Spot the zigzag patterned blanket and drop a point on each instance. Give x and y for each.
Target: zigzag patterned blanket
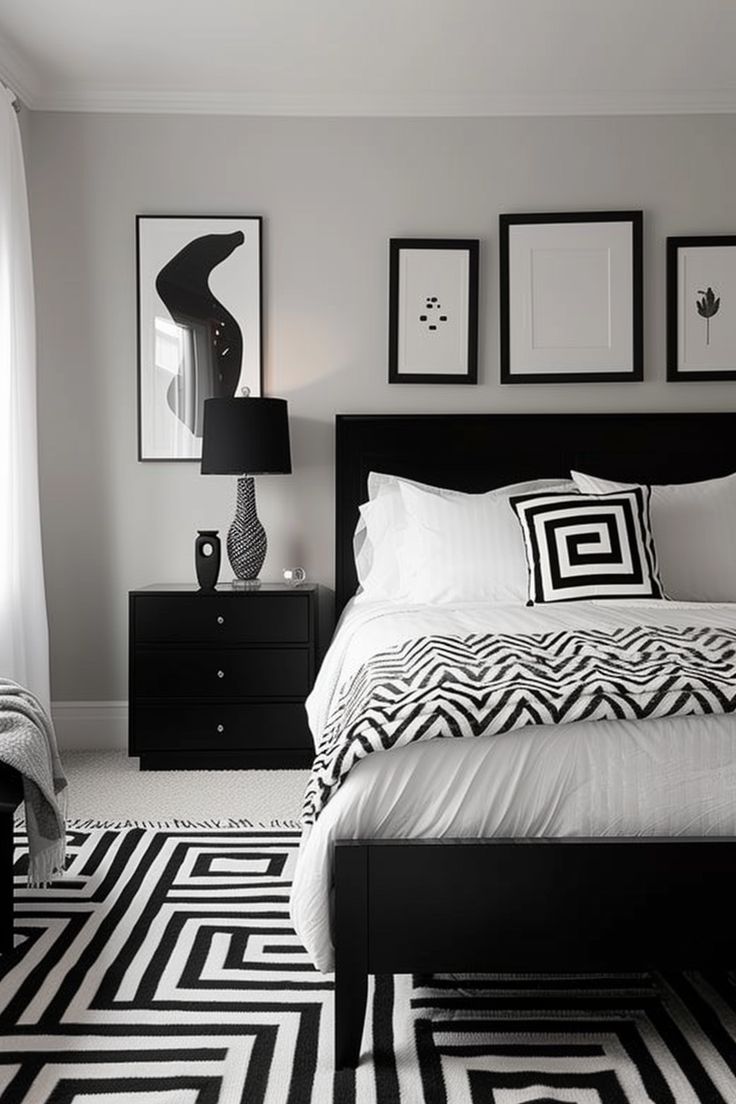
(485, 684)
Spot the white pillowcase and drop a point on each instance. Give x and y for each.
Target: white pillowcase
(381, 522)
(694, 528)
(374, 547)
(380, 527)
(421, 544)
(379, 483)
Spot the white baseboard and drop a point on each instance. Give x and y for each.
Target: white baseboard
(91, 725)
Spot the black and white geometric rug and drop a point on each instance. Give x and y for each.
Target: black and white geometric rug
(163, 970)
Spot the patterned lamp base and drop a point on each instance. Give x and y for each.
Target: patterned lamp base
(246, 538)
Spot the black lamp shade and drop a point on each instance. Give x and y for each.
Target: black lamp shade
(245, 436)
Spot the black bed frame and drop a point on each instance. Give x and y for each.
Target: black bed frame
(536, 904)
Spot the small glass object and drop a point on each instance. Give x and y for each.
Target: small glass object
(293, 576)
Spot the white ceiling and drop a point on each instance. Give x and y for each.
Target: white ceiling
(387, 57)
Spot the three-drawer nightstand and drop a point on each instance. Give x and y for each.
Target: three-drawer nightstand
(219, 679)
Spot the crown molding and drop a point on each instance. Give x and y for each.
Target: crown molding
(429, 104)
(17, 73)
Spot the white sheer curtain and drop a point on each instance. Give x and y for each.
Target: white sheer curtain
(24, 646)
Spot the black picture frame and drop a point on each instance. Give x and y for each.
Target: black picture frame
(469, 374)
(634, 373)
(676, 374)
(140, 221)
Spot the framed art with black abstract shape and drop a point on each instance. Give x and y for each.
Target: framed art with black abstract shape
(433, 310)
(571, 297)
(199, 324)
(701, 308)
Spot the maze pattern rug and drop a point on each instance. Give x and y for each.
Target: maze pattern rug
(163, 970)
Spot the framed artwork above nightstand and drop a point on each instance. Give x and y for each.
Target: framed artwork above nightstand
(219, 679)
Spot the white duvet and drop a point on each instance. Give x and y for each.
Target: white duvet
(669, 776)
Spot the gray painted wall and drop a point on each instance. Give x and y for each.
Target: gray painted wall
(333, 191)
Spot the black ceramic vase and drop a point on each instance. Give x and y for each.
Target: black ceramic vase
(207, 558)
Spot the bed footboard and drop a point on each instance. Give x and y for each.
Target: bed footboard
(527, 905)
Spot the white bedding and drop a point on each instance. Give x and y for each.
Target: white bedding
(667, 776)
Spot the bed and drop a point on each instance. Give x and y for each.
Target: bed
(404, 876)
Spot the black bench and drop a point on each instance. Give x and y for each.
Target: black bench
(11, 795)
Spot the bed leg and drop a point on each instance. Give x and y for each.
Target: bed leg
(350, 1000)
(351, 951)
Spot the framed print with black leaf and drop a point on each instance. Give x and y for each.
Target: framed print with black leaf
(199, 324)
(571, 297)
(433, 310)
(701, 308)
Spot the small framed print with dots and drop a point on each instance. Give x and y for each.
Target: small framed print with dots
(433, 310)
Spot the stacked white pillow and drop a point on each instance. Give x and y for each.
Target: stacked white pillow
(694, 528)
(418, 544)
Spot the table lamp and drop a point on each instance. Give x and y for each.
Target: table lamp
(246, 436)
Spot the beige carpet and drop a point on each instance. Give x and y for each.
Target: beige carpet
(109, 786)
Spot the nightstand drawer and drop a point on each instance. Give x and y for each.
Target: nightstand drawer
(222, 727)
(223, 618)
(221, 673)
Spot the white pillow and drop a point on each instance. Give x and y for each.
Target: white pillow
(694, 527)
(379, 528)
(385, 525)
(375, 558)
(379, 483)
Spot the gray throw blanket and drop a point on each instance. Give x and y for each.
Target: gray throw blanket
(28, 745)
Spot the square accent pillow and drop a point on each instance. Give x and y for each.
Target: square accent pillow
(588, 546)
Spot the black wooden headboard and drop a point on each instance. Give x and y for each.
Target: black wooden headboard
(476, 452)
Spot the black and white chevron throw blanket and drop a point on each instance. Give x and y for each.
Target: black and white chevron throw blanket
(485, 684)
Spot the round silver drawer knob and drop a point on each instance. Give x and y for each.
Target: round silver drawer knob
(220, 620)
(220, 728)
(220, 674)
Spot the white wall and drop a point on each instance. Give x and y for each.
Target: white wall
(333, 191)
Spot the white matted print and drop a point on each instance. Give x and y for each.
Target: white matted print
(433, 317)
(571, 297)
(701, 308)
(199, 325)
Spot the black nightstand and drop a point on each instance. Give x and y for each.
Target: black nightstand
(219, 679)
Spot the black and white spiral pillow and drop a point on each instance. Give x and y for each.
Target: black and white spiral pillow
(588, 546)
